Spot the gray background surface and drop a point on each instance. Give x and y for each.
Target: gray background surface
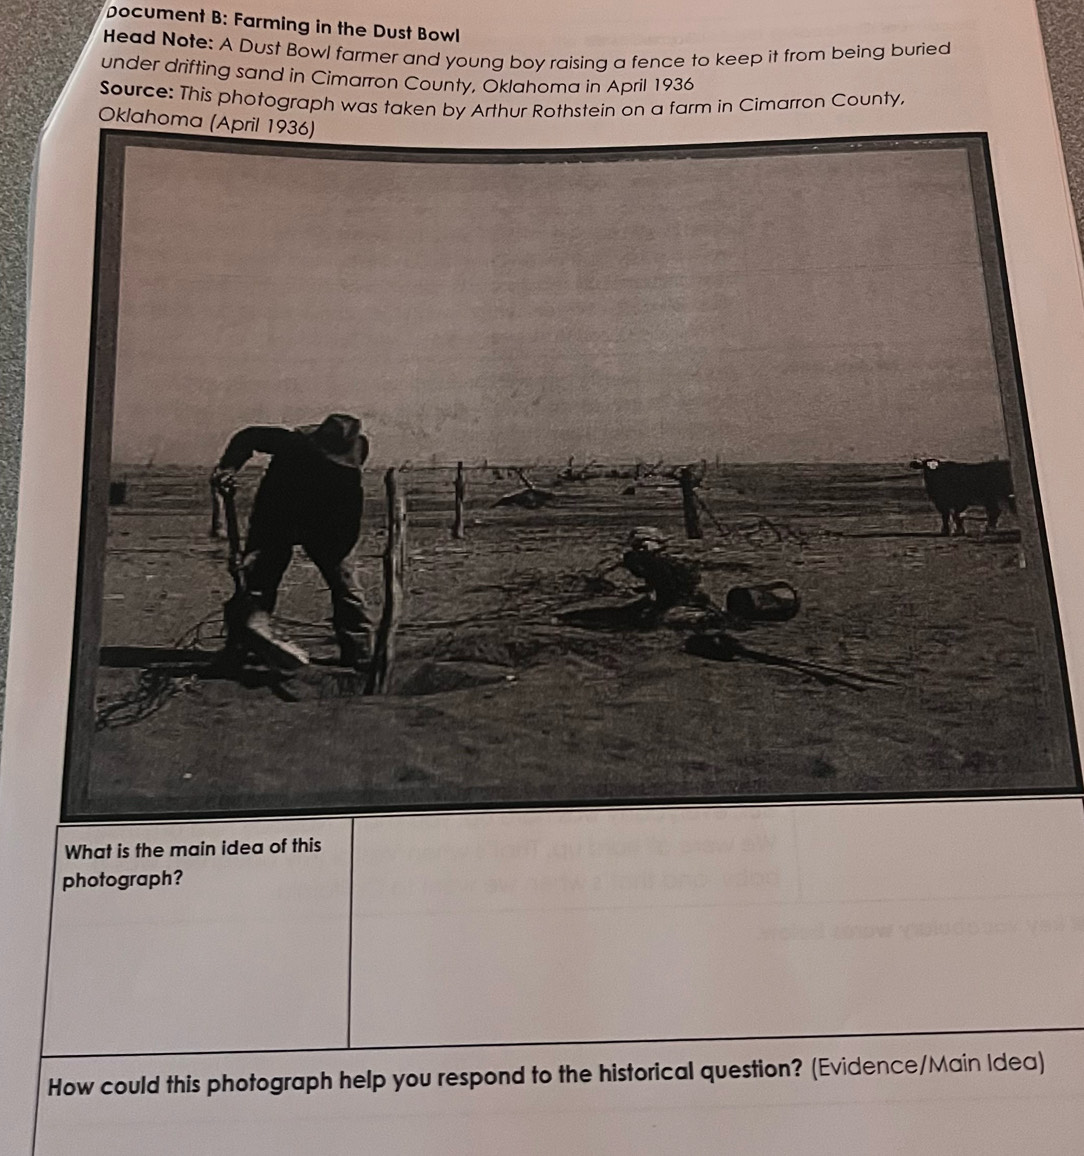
(39, 42)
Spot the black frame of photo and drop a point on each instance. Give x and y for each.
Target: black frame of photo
(114, 144)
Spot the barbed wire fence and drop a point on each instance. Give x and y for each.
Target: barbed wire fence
(159, 683)
(522, 604)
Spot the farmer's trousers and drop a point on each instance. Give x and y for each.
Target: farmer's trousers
(266, 563)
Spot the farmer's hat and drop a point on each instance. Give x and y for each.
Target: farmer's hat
(339, 439)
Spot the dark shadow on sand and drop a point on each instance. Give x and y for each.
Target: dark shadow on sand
(641, 614)
(144, 657)
(166, 662)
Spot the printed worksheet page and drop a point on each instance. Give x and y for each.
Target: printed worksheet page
(546, 610)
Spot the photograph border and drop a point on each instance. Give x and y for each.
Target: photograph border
(113, 146)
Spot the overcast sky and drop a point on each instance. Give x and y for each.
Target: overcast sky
(822, 307)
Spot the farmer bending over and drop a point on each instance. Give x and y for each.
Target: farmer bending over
(310, 496)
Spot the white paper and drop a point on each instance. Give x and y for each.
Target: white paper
(614, 864)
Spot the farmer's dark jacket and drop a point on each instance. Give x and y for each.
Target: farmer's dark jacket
(304, 498)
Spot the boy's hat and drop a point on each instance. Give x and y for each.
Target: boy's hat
(647, 538)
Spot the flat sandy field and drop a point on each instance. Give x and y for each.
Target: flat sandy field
(955, 683)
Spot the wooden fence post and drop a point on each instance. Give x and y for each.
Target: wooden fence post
(460, 495)
(688, 480)
(380, 669)
(216, 530)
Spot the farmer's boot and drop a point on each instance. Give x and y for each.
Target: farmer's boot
(247, 624)
(258, 637)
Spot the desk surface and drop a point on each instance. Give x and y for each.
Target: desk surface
(40, 41)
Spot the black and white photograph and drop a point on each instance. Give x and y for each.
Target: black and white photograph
(421, 479)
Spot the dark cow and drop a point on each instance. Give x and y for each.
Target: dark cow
(953, 487)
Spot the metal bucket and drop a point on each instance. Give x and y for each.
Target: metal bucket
(767, 602)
